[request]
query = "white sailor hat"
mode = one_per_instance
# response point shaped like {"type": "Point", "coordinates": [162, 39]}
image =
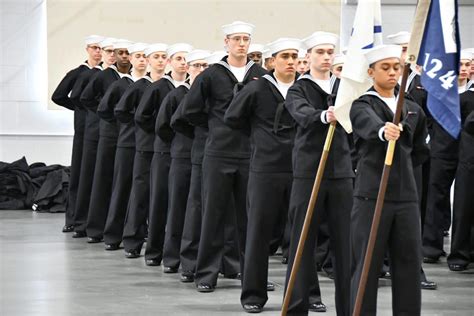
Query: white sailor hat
{"type": "Point", "coordinates": [339, 59]}
{"type": "Point", "coordinates": [256, 48]}
{"type": "Point", "coordinates": [319, 38]}
{"type": "Point", "coordinates": [383, 52]}
{"type": "Point", "coordinates": [216, 56]}
{"type": "Point", "coordinates": [301, 53]}
{"type": "Point", "coordinates": [284, 43]}
{"type": "Point", "coordinates": [266, 52]}
{"type": "Point", "coordinates": [197, 54]}
{"type": "Point", "coordinates": [108, 41]}
{"type": "Point", "coordinates": [400, 38]}
{"type": "Point", "coordinates": [157, 47]}
{"type": "Point", "coordinates": [122, 43]}
{"type": "Point", "coordinates": [179, 47]}
{"type": "Point", "coordinates": [93, 39]}
{"type": "Point", "coordinates": [466, 54]}
{"type": "Point", "coordinates": [238, 27]}
{"type": "Point", "coordinates": [137, 47]}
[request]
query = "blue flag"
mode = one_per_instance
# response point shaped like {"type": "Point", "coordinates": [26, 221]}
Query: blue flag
{"type": "Point", "coordinates": [439, 56]}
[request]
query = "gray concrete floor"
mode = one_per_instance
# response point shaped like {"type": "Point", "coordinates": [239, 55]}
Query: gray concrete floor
{"type": "Point", "coordinates": [46, 272]}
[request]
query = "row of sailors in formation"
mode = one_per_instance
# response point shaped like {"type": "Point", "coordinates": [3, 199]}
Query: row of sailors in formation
{"type": "Point", "coordinates": [198, 163]}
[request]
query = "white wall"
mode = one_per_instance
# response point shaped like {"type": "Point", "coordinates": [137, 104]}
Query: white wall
{"type": "Point", "coordinates": [27, 127]}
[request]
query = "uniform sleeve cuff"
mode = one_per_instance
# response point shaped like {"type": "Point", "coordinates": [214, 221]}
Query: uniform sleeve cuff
{"type": "Point", "coordinates": [381, 131]}
{"type": "Point", "coordinates": [323, 117]}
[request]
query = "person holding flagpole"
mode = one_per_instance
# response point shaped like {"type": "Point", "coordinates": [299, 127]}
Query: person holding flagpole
{"type": "Point", "coordinates": [399, 229]}
{"type": "Point", "coordinates": [310, 103]}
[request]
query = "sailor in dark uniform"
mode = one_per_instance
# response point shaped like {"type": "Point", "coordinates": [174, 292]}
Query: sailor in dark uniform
{"type": "Point", "coordinates": [399, 231]}
{"type": "Point", "coordinates": [463, 214]}
{"type": "Point", "coordinates": [132, 145]}
{"type": "Point", "coordinates": [226, 159]}
{"type": "Point", "coordinates": [417, 93]}
{"type": "Point", "coordinates": [259, 110]}
{"type": "Point", "coordinates": [135, 228]}
{"type": "Point", "coordinates": [105, 174]}
{"type": "Point", "coordinates": [310, 102]}
{"type": "Point", "coordinates": [180, 169]}
{"type": "Point", "coordinates": [90, 98]}
{"type": "Point", "coordinates": [108, 134]}
{"type": "Point", "coordinates": [61, 96]}
{"type": "Point", "coordinates": [444, 163]}
{"type": "Point", "coordinates": [230, 266]}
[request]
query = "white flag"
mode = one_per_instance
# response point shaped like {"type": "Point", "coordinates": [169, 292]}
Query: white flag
{"type": "Point", "coordinates": [366, 33]}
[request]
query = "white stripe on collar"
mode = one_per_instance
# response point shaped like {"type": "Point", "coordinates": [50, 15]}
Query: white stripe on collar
{"type": "Point", "coordinates": [129, 76]}
{"type": "Point", "coordinates": [121, 75]}
{"type": "Point", "coordinates": [470, 83]}
{"type": "Point", "coordinates": [375, 93]}
{"type": "Point", "coordinates": [332, 80]}
{"type": "Point", "coordinates": [147, 78]}
{"type": "Point", "coordinates": [87, 65]}
{"type": "Point", "coordinates": [273, 82]}
{"type": "Point", "coordinates": [227, 66]}
{"type": "Point", "coordinates": [409, 80]}
{"type": "Point", "coordinates": [169, 78]}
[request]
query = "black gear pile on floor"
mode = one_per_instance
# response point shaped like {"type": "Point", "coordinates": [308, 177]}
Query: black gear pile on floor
{"type": "Point", "coordinates": [40, 187]}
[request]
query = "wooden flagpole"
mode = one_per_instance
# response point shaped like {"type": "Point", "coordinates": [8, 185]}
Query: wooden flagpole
{"type": "Point", "coordinates": [380, 199]}
{"type": "Point", "coordinates": [308, 217]}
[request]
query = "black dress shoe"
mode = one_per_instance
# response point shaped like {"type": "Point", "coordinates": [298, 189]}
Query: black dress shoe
{"type": "Point", "coordinates": [235, 276]}
{"type": "Point", "coordinates": [253, 308]}
{"type": "Point", "coordinates": [270, 286]}
{"type": "Point", "coordinates": [457, 267]}
{"type": "Point", "coordinates": [94, 240]}
{"type": "Point", "coordinates": [132, 254]}
{"type": "Point", "coordinates": [317, 307]}
{"type": "Point", "coordinates": [284, 260]}
{"type": "Point", "coordinates": [170, 270]}
{"type": "Point", "coordinates": [79, 234]}
{"type": "Point", "coordinates": [152, 262]}
{"type": "Point", "coordinates": [429, 285]}
{"type": "Point", "coordinates": [68, 228]}
{"type": "Point", "coordinates": [187, 277]}
{"type": "Point", "coordinates": [112, 247]}
{"type": "Point", "coordinates": [430, 260]}
{"type": "Point", "coordinates": [205, 288]}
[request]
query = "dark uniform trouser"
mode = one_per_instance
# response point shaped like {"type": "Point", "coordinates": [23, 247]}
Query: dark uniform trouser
{"type": "Point", "coordinates": [76, 158]}
{"type": "Point", "coordinates": [223, 178]}
{"type": "Point", "coordinates": [159, 171]}
{"type": "Point", "coordinates": [121, 187]}
{"type": "Point", "coordinates": [134, 229]}
{"type": "Point", "coordinates": [230, 264]}
{"type": "Point", "coordinates": [335, 198]}
{"type": "Point", "coordinates": [400, 230]}
{"type": "Point", "coordinates": [269, 196]}
{"type": "Point", "coordinates": [179, 182]}
{"type": "Point", "coordinates": [192, 222]}
{"type": "Point", "coordinates": [422, 174]}
{"type": "Point", "coordinates": [463, 215]}
{"type": "Point", "coordinates": [438, 213]}
{"type": "Point", "coordinates": [101, 187]}
{"type": "Point", "coordinates": [89, 153]}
